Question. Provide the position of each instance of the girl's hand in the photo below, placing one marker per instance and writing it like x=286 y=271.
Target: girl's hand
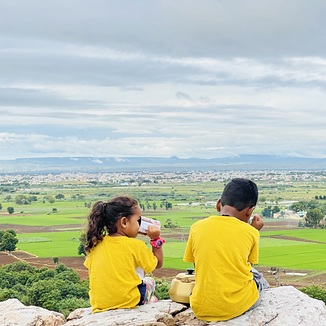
x=153 y=231
x=257 y=222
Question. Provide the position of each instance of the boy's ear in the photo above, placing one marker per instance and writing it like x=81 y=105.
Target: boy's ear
x=218 y=205
x=249 y=211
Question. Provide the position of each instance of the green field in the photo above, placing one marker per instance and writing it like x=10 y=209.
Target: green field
x=60 y=231
x=273 y=252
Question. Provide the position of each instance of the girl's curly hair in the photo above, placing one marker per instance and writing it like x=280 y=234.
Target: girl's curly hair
x=104 y=216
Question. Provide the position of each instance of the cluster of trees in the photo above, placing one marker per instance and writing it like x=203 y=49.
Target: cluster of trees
x=58 y=289
x=269 y=211
x=147 y=205
x=27 y=200
x=320 y=197
x=315 y=211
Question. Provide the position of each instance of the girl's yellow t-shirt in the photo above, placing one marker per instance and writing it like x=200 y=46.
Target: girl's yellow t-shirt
x=112 y=272
x=222 y=249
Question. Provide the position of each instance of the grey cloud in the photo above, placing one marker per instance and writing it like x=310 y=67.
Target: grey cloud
x=127 y=78
x=36 y=98
x=252 y=28
x=183 y=95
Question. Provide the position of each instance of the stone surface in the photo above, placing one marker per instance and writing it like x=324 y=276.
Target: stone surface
x=14 y=313
x=157 y=313
x=280 y=306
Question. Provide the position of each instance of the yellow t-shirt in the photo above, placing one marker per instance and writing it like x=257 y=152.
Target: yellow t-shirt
x=222 y=249
x=112 y=272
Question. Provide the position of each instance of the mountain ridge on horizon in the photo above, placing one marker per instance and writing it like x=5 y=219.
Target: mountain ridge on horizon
x=174 y=163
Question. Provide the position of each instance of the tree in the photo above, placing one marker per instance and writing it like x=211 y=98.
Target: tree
x=299 y=206
x=59 y=196
x=276 y=209
x=314 y=216
x=0 y=206
x=10 y=210
x=82 y=243
x=267 y=212
x=8 y=240
x=32 y=198
x=51 y=199
x=168 y=205
x=22 y=200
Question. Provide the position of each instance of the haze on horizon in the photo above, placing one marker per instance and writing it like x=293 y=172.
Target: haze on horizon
x=126 y=78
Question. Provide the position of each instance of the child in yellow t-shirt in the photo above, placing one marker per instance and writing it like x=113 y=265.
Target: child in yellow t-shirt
x=116 y=260
x=223 y=249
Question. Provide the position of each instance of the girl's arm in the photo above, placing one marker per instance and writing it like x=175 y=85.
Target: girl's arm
x=154 y=233
x=158 y=253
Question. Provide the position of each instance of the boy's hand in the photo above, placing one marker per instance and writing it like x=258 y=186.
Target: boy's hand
x=257 y=222
x=153 y=231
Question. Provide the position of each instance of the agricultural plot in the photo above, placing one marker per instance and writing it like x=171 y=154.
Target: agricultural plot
x=53 y=229
x=283 y=248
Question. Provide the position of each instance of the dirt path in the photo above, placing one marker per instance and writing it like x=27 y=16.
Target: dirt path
x=291 y=238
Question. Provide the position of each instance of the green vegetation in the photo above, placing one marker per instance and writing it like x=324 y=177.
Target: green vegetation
x=8 y=240
x=59 y=290
x=316 y=292
x=162 y=289
x=59 y=208
x=304 y=233
x=61 y=244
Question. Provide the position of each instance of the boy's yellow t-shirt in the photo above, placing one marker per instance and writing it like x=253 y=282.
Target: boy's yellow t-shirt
x=112 y=272
x=222 y=249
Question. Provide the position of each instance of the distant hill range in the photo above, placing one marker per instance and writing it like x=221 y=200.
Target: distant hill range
x=128 y=164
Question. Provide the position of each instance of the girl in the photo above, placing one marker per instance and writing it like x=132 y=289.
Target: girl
x=116 y=260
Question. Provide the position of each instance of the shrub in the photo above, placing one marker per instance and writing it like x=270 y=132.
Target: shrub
x=59 y=290
x=316 y=292
x=162 y=289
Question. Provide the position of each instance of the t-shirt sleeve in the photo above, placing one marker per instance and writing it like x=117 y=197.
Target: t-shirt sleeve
x=146 y=259
x=188 y=254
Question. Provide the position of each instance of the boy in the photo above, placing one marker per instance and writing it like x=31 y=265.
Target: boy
x=222 y=249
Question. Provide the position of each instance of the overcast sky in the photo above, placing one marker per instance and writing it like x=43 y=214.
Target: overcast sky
x=116 y=78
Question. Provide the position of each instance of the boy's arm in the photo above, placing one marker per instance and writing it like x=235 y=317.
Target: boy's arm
x=257 y=222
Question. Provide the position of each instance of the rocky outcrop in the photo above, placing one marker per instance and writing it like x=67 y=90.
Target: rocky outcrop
x=280 y=306
x=13 y=312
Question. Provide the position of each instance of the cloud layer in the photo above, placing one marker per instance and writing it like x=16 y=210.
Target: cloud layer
x=162 y=78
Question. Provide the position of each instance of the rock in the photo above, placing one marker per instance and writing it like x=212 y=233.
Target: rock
x=153 y=314
x=13 y=312
x=280 y=306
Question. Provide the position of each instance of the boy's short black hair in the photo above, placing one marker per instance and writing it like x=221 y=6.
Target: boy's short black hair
x=240 y=193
